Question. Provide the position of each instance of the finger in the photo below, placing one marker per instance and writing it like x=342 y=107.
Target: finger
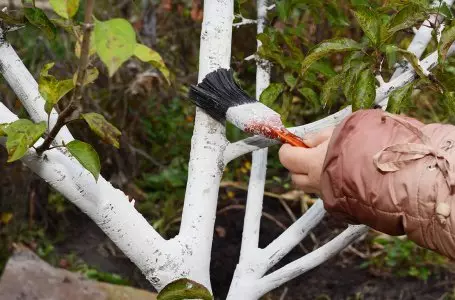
x=304 y=182
x=317 y=138
x=297 y=159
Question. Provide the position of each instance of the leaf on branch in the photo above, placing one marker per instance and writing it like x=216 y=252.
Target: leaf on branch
x=2 y=129
x=447 y=39
x=86 y=155
x=115 y=41
x=90 y=76
x=410 y=57
x=359 y=86
x=330 y=89
x=329 y=47
x=146 y=54
x=310 y=95
x=10 y=19
x=407 y=17
x=28 y=3
x=400 y=98
x=65 y=8
x=102 y=128
x=38 y=18
x=449 y=101
x=184 y=289
x=370 y=23
x=290 y=80
x=22 y=134
x=271 y=93
x=52 y=89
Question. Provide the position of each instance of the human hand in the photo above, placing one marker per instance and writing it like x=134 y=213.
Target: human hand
x=305 y=164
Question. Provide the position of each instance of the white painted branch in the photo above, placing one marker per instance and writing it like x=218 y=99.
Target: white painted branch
x=292 y=236
x=309 y=261
x=421 y=39
x=208 y=143
x=110 y=209
x=253 y=211
x=427 y=64
x=160 y=261
x=26 y=88
x=244 y=21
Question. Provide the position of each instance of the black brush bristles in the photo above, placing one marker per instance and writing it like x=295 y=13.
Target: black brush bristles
x=217 y=93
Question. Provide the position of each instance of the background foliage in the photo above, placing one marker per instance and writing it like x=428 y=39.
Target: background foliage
x=325 y=54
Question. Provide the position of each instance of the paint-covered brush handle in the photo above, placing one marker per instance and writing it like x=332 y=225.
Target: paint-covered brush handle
x=288 y=137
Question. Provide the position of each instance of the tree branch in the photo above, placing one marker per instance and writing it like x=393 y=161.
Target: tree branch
x=421 y=40
x=206 y=163
x=26 y=88
x=80 y=78
x=309 y=261
x=110 y=209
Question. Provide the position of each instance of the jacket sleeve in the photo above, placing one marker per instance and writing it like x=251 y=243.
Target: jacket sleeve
x=393 y=174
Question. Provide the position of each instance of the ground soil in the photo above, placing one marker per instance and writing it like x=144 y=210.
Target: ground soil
x=339 y=278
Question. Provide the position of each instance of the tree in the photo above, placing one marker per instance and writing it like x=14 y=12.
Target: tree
x=72 y=167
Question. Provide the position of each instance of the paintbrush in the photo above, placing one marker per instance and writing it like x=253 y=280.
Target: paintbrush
x=223 y=99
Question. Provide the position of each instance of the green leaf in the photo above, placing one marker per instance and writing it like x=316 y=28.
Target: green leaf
x=330 y=89
x=407 y=17
x=10 y=19
x=271 y=93
x=447 y=39
x=28 y=3
x=310 y=95
x=369 y=21
x=22 y=134
x=90 y=76
x=359 y=86
x=400 y=98
x=52 y=89
x=65 y=8
x=329 y=47
x=410 y=57
x=448 y=100
x=184 y=289
x=146 y=54
x=86 y=155
x=365 y=90
x=290 y=80
x=105 y=130
x=115 y=41
x=2 y=129
x=38 y=18
x=350 y=77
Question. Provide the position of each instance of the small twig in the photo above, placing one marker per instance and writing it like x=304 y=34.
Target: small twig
x=250 y=57
x=244 y=21
x=146 y=156
x=288 y=210
x=264 y=214
x=283 y=295
x=80 y=77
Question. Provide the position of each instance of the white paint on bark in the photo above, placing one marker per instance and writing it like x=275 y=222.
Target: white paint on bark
x=208 y=143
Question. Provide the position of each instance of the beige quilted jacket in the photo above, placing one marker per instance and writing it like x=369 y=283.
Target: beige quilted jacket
x=394 y=174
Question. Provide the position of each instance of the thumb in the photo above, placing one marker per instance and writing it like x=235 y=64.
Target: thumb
x=317 y=138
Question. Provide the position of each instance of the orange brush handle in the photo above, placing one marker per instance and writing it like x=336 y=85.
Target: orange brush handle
x=288 y=137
